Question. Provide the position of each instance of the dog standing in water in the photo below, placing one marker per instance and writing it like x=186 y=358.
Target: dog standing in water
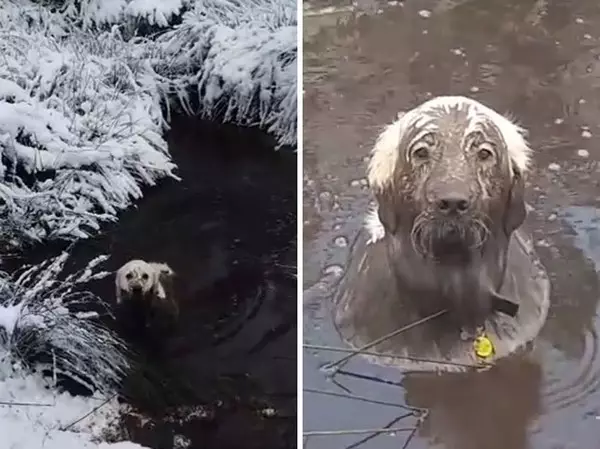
x=146 y=291
x=446 y=237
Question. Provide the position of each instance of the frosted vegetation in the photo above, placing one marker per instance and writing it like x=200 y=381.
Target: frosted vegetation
x=46 y=316
x=86 y=93
x=49 y=328
x=84 y=103
x=40 y=417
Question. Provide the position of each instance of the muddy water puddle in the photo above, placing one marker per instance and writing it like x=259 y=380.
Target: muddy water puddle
x=539 y=61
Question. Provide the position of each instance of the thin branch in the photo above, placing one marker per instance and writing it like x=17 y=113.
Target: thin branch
x=384 y=338
x=413 y=410
x=368 y=377
x=401 y=357
x=313 y=433
x=410 y=436
x=387 y=426
x=110 y=398
x=338 y=384
x=417 y=426
x=26 y=404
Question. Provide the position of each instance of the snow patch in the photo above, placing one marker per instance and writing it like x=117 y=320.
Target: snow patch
x=36 y=322
x=32 y=415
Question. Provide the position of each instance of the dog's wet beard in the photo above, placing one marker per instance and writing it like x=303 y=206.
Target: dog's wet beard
x=448 y=240
x=137 y=295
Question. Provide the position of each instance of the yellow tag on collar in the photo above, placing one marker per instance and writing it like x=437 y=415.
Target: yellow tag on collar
x=484 y=347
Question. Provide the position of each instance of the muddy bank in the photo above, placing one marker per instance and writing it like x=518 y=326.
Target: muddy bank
x=227 y=377
x=539 y=61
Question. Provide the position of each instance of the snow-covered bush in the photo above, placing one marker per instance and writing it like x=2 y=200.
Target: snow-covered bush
x=82 y=110
x=240 y=55
x=90 y=14
x=50 y=323
x=80 y=127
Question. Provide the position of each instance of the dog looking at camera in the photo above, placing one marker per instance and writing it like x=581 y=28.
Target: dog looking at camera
x=446 y=240
x=147 y=288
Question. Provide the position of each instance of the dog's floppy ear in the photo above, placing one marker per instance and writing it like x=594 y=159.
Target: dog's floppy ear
x=386 y=158
x=119 y=294
x=387 y=209
x=118 y=290
x=515 y=207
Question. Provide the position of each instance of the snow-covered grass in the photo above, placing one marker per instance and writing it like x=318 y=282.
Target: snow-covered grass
x=96 y=13
x=47 y=323
x=33 y=415
x=241 y=57
x=82 y=108
x=80 y=129
x=49 y=320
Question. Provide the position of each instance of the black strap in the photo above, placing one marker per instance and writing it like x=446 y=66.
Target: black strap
x=499 y=302
x=503 y=305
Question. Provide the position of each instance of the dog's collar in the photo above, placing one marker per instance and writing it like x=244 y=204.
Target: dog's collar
x=482 y=345
x=503 y=305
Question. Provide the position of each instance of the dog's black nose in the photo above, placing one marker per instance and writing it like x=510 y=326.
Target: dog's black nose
x=452 y=205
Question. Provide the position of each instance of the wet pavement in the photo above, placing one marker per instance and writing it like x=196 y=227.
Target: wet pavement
x=538 y=60
x=226 y=378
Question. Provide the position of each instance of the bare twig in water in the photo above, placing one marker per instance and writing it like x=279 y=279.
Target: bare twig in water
x=420 y=413
x=412 y=434
x=26 y=404
x=102 y=404
x=384 y=338
x=369 y=378
x=313 y=433
x=413 y=410
x=335 y=382
x=387 y=426
x=400 y=357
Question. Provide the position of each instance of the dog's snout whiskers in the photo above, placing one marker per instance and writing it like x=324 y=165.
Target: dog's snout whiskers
x=431 y=235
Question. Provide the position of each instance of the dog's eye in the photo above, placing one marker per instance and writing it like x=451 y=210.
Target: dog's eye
x=145 y=276
x=128 y=276
x=485 y=152
x=420 y=152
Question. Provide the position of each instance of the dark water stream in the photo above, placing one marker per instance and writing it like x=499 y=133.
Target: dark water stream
x=227 y=376
x=539 y=60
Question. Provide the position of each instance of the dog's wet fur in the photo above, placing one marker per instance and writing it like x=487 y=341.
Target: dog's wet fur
x=145 y=297
x=448 y=178
x=450 y=210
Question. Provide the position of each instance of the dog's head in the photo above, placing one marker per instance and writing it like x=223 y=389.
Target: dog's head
x=136 y=276
x=449 y=173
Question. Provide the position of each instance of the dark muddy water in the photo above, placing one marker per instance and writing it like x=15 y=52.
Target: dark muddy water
x=226 y=378
x=540 y=61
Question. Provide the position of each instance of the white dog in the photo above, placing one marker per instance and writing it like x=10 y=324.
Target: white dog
x=150 y=281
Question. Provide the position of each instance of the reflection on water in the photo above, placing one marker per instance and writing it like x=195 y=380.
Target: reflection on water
x=478 y=410
x=539 y=60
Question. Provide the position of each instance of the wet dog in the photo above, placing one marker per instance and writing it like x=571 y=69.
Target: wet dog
x=145 y=294
x=448 y=178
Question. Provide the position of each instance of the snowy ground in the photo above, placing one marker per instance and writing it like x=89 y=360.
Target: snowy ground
x=32 y=413
x=81 y=135
x=41 y=418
